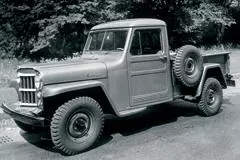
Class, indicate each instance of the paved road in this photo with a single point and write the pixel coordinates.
(166, 132)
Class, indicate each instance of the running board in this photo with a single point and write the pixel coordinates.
(190, 98)
(131, 112)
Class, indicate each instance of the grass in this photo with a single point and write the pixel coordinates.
(220, 48)
(8, 69)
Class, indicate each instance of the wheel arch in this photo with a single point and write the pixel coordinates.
(214, 71)
(58, 94)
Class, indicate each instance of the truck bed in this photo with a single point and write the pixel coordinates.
(221, 58)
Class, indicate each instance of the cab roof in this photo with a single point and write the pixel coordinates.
(128, 23)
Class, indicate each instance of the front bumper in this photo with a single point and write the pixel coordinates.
(24, 118)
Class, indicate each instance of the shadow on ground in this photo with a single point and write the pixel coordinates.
(40, 139)
(153, 116)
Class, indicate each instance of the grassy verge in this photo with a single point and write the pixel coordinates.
(220, 48)
(8, 69)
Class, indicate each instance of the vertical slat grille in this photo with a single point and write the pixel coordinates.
(27, 82)
(27, 96)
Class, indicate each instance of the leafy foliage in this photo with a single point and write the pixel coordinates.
(209, 23)
(50, 28)
(198, 22)
(57, 28)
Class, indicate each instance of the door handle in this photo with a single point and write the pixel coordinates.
(163, 57)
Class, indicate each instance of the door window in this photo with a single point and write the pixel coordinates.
(146, 41)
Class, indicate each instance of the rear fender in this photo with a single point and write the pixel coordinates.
(211, 70)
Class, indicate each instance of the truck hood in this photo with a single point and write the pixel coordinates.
(60, 72)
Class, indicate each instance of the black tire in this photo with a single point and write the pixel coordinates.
(188, 65)
(211, 97)
(77, 125)
(28, 128)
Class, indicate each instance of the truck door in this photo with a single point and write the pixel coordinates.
(148, 66)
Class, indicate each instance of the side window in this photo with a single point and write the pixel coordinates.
(136, 47)
(146, 41)
(114, 40)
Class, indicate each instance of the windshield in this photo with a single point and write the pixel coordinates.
(111, 40)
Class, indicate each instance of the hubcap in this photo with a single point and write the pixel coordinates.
(79, 125)
(189, 66)
(210, 97)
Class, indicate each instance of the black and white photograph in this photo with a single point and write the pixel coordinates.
(119, 80)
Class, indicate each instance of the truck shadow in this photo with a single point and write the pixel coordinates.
(41, 140)
(153, 116)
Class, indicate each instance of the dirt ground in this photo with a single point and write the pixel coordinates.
(166, 132)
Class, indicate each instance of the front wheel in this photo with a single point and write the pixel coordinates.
(77, 125)
(211, 97)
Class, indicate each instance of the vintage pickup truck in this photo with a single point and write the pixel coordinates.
(126, 66)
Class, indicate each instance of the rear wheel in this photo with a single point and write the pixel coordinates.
(77, 125)
(211, 97)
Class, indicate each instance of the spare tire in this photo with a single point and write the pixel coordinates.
(188, 65)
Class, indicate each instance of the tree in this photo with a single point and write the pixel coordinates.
(51, 28)
(209, 23)
(57, 28)
(198, 22)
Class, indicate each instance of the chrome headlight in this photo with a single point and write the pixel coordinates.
(18, 79)
(39, 86)
(38, 81)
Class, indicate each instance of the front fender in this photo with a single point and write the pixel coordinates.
(211, 70)
(56, 89)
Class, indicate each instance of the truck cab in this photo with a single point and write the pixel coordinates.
(140, 66)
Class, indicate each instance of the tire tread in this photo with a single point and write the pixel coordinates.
(203, 109)
(57, 117)
(178, 62)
